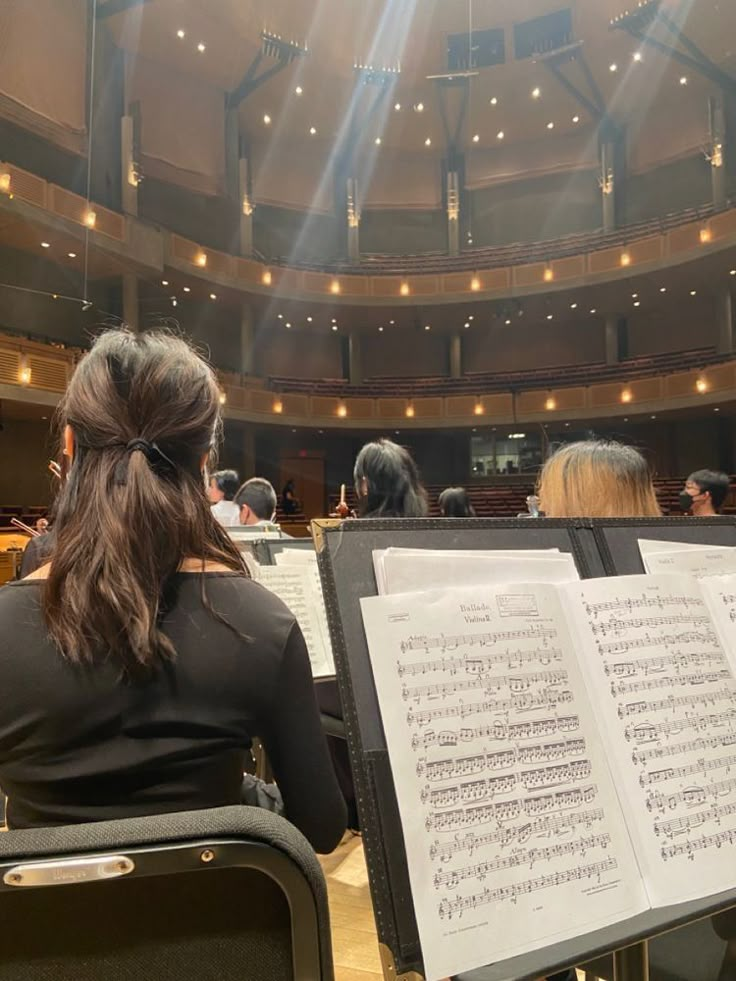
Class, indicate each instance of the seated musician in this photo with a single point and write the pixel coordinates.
(139, 663)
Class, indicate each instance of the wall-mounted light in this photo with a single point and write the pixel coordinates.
(548, 274)
(409, 412)
(90, 218)
(625, 259)
(201, 259)
(404, 289)
(278, 406)
(701, 385)
(248, 207)
(475, 284)
(266, 278)
(335, 286)
(5, 182)
(24, 370)
(627, 395)
(342, 410)
(551, 404)
(705, 234)
(223, 398)
(478, 409)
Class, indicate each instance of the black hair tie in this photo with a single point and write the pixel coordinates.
(152, 452)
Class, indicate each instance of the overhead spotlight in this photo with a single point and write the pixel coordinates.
(550, 316)
(593, 310)
(309, 320)
(419, 107)
(507, 321)
(637, 303)
(637, 56)
(223, 398)
(550, 125)
(500, 134)
(213, 296)
(536, 92)
(72, 255)
(613, 67)
(471, 317)
(378, 141)
(298, 90)
(164, 282)
(279, 316)
(87, 305)
(334, 326)
(476, 138)
(494, 101)
(266, 119)
(662, 289)
(693, 292)
(312, 131)
(45, 245)
(181, 34)
(380, 330)
(634, 296)
(466, 324)
(428, 141)
(427, 326)
(397, 107)
(288, 325)
(683, 79)
(392, 322)
(201, 48)
(333, 321)
(187, 289)
(576, 119)
(732, 272)
(573, 306)
(173, 301)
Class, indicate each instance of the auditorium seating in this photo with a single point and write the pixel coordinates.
(489, 257)
(231, 892)
(478, 383)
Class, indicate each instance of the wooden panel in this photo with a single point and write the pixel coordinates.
(723, 223)
(182, 248)
(252, 271)
(391, 408)
(292, 279)
(386, 285)
(429, 408)
(684, 239)
(47, 373)
(109, 223)
(9, 366)
(423, 285)
(647, 389)
(459, 405)
(220, 263)
(720, 376)
(349, 285)
(27, 186)
(532, 402)
(604, 260)
(642, 390)
(295, 404)
(324, 406)
(262, 401)
(680, 385)
(646, 249)
(499, 405)
(66, 204)
(360, 408)
(569, 268)
(530, 275)
(568, 399)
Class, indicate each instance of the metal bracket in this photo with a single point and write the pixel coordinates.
(388, 965)
(66, 872)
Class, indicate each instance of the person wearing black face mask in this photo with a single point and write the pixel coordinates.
(704, 493)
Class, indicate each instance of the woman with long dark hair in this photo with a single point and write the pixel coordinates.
(454, 502)
(137, 666)
(387, 482)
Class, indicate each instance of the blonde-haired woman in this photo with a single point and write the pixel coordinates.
(597, 479)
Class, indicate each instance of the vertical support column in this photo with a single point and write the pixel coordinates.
(607, 182)
(129, 165)
(456, 356)
(353, 220)
(130, 301)
(616, 338)
(724, 320)
(717, 127)
(355, 361)
(245, 206)
(453, 212)
(247, 338)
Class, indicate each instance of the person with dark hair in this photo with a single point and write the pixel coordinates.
(455, 503)
(289, 503)
(137, 667)
(387, 482)
(223, 486)
(256, 501)
(704, 493)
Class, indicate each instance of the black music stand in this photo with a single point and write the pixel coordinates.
(265, 550)
(617, 539)
(346, 567)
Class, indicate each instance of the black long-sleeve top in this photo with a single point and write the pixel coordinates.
(85, 744)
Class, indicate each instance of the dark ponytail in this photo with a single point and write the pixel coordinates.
(144, 413)
(392, 485)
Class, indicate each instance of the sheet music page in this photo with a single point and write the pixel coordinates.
(296, 556)
(513, 832)
(404, 573)
(720, 595)
(698, 563)
(650, 546)
(665, 697)
(295, 585)
(403, 554)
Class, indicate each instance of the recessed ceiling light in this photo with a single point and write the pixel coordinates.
(298, 90)
(419, 107)
(200, 47)
(72, 255)
(280, 316)
(592, 310)
(494, 101)
(536, 92)
(180, 33)
(466, 324)
(716, 409)
(334, 321)
(309, 320)
(267, 119)
(476, 138)
(550, 316)
(173, 301)
(683, 80)
(550, 125)
(378, 141)
(507, 321)
(500, 135)
(397, 107)
(45, 245)
(732, 272)
(287, 324)
(573, 306)
(392, 322)
(164, 282)
(662, 289)
(380, 330)
(634, 296)
(334, 326)
(613, 67)
(576, 119)
(471, 317)
(213, 296)
(637, 56)
(637, 303)
(187, 289)
(693, 292)
(427, 326)
(313, 131)
(428, 142)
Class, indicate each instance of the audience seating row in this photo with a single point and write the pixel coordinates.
(479, 383)
(489, 257)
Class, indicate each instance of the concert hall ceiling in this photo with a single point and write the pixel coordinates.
(311, 99)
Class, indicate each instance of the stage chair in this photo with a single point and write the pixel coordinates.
(210, 895)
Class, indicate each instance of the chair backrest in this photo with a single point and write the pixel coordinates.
(229, 893)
